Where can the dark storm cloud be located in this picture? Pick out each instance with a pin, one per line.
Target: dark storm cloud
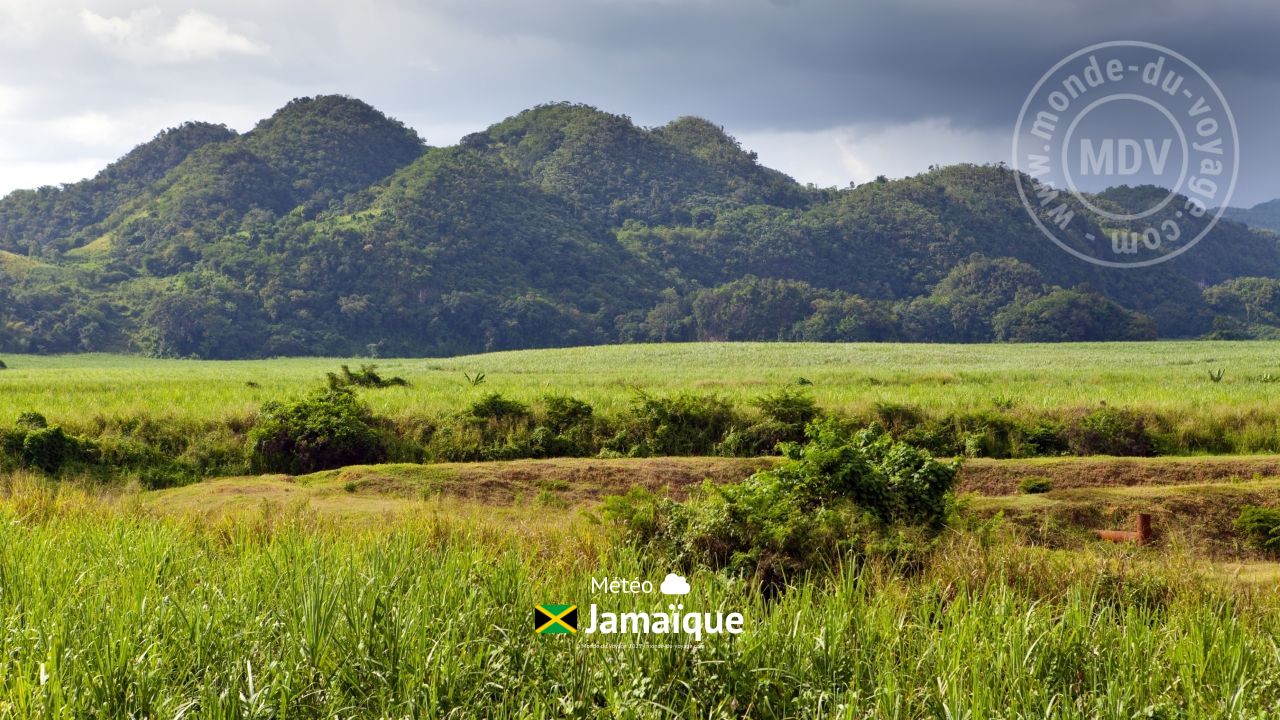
(84, 81)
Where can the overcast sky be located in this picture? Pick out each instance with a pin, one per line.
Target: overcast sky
(828, 91)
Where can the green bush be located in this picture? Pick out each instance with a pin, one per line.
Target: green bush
(785, 413)
(366, 377)
(1109, 431)
(328, 429)
(565, 413)
(789, 407)
(495, 407)
(50, 448)
(32, 420)
(1260, 527)
(898, 417)
(840, 492)
(684, 424)
(1035, 484)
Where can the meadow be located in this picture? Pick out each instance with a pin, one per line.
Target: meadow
(407, 590)
(1169, 377)
(168, 422)
(111, 608)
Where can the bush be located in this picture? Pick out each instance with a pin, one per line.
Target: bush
(366, 377)
(3, 366)
(495, 407)
(32, 421)
(840, 492)
(1260, 527)
(1035, 484)
(685, 424)
(898, 417)
(789, 407)
(565, 413)
(786, 413)
(328, 429)
(1109, 431)
(50, 448)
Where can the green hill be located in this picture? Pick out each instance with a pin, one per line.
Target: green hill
(1263, 215)
(330, 228)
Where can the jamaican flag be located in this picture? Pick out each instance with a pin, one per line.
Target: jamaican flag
(555, 619)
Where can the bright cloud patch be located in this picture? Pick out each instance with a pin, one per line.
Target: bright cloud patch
(858, 153)
(143, 36)
(199, 36)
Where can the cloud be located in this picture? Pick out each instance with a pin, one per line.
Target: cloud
(673, 584)
(859, 153)
(200, 36)
(112, 29)
(90, 128)
(141, 36)
(827, 91)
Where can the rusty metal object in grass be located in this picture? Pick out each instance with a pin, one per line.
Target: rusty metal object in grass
(1141, 535)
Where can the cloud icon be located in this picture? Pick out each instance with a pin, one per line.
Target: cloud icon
(673, 584)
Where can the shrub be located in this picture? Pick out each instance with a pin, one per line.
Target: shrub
(3, 366)
(50, 448)
(1109, 431)
(1260, 527)
(760, 438)
(495, 407)
(788, 406)
(840, 492)
(328, 429)
(786, 413)
(898, 417)
(684, 424)
(32, 420)
(565, 413)
(367, 377)
(1035, 484)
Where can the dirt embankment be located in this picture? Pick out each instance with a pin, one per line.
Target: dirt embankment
(1001, 477)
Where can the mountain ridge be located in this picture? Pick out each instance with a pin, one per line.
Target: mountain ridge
(330, 228)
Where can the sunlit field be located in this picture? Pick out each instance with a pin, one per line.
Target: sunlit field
(109, 609)
(1165, 376)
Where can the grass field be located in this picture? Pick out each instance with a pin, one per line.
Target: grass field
(407, 590)
(136, 605)
(1171, 377)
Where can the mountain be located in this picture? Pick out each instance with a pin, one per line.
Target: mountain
(330, 228)
(31, 220)
(1263, 215)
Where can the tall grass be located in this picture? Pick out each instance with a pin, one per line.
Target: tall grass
(106, 611)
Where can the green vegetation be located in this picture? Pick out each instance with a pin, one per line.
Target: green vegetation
(330, 229)
(1261, 527)
(837, 496)
(165, 421)
(366, 377)
(116, 611)
(1264, 215)
(1035, 484)
(325, 430)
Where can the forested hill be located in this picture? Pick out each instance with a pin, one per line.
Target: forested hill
(1263, 215)
(331, 229)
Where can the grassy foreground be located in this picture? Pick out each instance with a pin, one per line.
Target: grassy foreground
(110, 610)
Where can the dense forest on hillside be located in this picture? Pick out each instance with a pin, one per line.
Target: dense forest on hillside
(332, 229)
